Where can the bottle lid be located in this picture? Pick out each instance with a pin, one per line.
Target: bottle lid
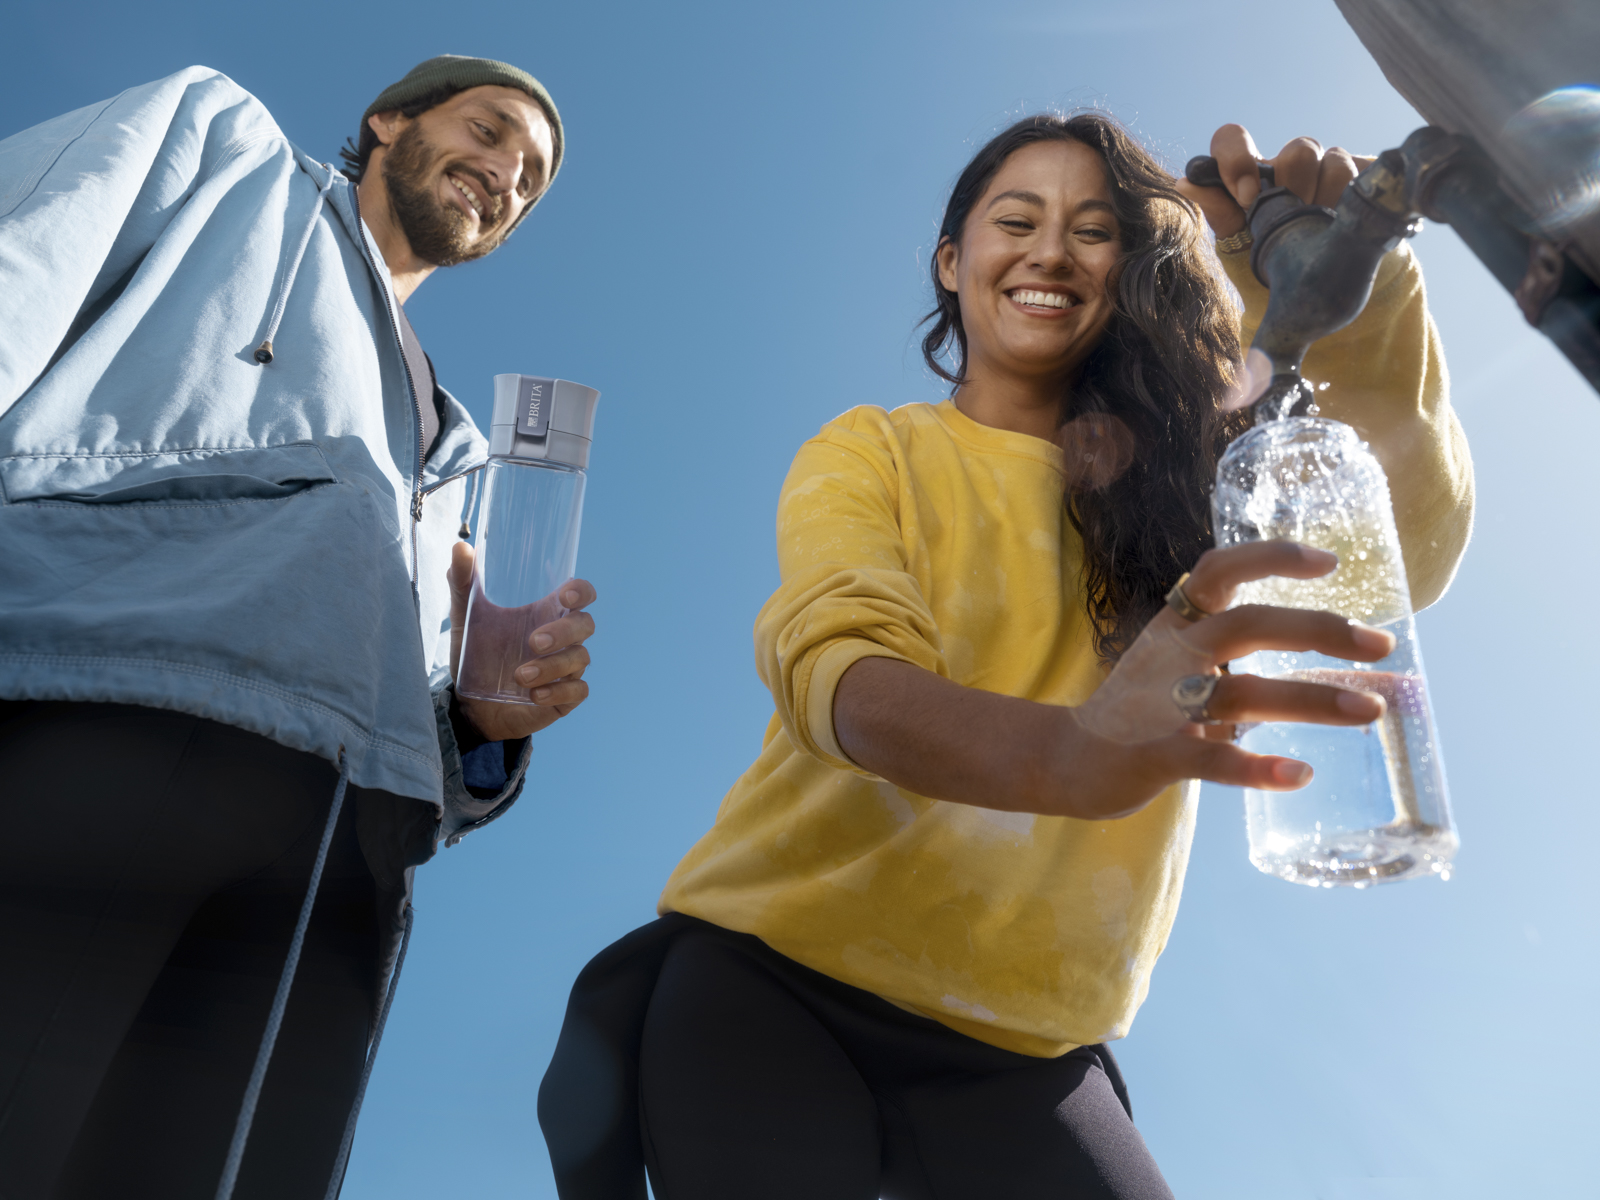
(542, 420)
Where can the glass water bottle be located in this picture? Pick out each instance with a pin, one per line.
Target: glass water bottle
(1376, 808)
(528, 525)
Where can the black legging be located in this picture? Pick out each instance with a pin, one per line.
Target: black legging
(759, 1077)
(151, 873)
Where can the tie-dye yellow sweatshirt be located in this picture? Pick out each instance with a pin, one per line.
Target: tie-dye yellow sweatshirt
(922, 535)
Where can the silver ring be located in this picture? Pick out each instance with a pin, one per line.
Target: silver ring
(1192, 693)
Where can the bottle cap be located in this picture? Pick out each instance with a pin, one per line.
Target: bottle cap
(542, 420)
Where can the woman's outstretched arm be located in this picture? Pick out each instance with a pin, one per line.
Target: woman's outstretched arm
(1111, 756)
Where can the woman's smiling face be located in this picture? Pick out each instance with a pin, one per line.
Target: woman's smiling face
(1033, 264)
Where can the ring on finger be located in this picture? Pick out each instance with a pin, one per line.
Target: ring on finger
(1178, 600)
(1192, 694)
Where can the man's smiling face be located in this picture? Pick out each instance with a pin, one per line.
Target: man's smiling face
(460, 174)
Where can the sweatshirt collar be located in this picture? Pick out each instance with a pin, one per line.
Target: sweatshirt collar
(989, 440)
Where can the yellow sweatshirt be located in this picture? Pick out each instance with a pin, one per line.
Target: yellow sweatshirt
(922, 535)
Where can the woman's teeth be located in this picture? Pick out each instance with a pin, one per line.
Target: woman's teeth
(1042, 299)
(472, 199)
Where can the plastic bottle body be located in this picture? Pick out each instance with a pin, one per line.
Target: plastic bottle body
(527, 549)
(1377, 807)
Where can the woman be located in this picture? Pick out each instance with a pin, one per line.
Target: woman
(891, 967)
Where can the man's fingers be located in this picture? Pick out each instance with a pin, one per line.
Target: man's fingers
(1218, 573)
(1249, 698)
(1237, 156)
(1251, 627)
(567, 694)
(577, 593)
(1337, 170)
(1297, 166)
(571, 630)
(570, 663)
(461, 557)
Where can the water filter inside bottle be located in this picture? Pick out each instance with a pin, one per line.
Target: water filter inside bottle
(528, 525)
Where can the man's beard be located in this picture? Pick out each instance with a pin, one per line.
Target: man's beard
(439, 233)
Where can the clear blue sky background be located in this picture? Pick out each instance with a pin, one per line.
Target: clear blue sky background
(735, 252)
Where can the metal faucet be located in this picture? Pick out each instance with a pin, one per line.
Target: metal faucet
(1319, 263)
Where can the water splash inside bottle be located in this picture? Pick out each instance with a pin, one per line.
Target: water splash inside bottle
(1377, 808)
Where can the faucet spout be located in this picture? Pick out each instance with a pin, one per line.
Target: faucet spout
(1319, 265)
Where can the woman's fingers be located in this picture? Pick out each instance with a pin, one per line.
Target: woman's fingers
(1184, 757)
(1337, 170)
(1297, 166)
(1143, 770)
(1221, 211)
(1238, 699)
(1219, 573)
(1317, 177)
(1237, 159)
(1251, 627)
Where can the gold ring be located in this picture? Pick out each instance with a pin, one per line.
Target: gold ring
(1178, 600)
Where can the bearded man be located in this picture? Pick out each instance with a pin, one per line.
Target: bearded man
(231, 497)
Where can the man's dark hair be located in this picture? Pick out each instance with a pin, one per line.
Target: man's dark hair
(356, 152)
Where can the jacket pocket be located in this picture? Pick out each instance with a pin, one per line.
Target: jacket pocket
(198, 476)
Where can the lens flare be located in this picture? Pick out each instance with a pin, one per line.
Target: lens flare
(1098, 448)
(1558, 136)
(1250, 379)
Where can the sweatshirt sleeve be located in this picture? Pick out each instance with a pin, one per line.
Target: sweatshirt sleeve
(85, 196)
(1384, 374)
(846, 592)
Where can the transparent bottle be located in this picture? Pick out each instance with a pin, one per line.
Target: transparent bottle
(1377, 808)
(528, 525)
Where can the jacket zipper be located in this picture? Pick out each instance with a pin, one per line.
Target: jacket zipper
(416, 413)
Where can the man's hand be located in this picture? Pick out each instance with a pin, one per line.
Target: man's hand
(553, 672)
(1316, 175)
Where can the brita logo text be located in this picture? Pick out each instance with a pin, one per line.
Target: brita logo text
(535, 396)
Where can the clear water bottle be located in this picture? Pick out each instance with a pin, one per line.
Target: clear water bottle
(527, 547)
(1377, 808)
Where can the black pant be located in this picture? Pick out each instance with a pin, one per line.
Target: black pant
(151, 872)
(759, 1077)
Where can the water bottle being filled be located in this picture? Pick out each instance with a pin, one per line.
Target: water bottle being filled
(528, 526)
(1376, 808)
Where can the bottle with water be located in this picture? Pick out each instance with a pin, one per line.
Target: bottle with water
(528, 527)
(1376, 808)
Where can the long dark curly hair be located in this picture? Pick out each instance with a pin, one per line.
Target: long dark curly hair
(1145, 414)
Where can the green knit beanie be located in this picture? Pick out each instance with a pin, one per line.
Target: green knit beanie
(457, 70)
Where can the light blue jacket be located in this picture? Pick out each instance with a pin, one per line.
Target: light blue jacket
(182, 526)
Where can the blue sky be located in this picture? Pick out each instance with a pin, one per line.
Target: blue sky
(734, 253)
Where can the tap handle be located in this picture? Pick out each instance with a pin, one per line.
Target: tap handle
(1202, 172)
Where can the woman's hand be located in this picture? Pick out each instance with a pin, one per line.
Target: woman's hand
(553, 673)
(1316, 175)
(1117, 752)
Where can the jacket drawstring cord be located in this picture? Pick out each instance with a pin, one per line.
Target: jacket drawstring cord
(263, 354)
(269, 1037)
(465, 532)
(336, 1181)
